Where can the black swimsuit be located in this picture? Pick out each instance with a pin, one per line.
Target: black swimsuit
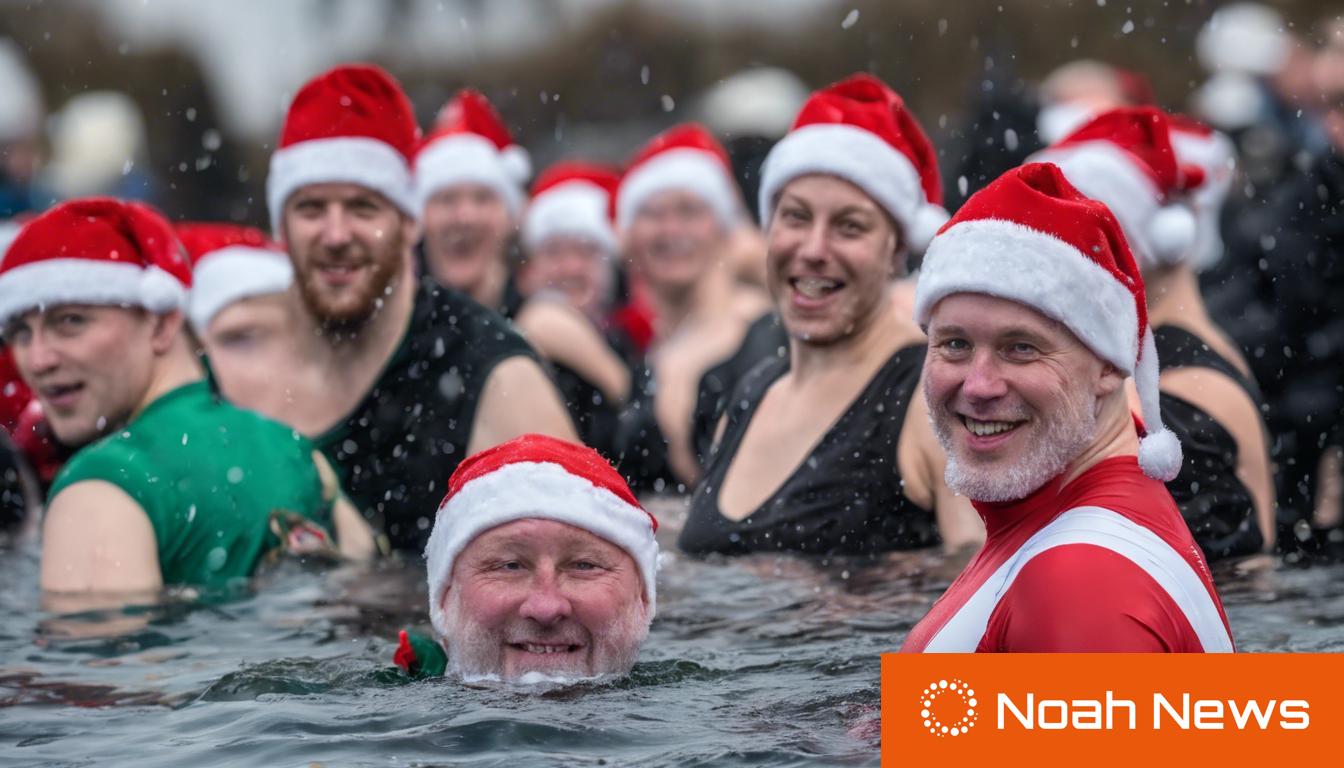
(845, 498)
(398, 447)
(1214, 502)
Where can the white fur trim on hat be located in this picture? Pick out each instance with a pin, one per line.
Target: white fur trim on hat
(1015, 262)
(465, 158)
(690, 170)
(1157, 235)
(231, 274)
(574, 209)
(861, 158)
(86, 281)
(1159, 449)
(542, 490)
(352, 160)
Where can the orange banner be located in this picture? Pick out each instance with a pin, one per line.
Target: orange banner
(1136, 710)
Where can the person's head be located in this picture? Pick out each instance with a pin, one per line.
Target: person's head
(92, 294)
(1074, 93)
(340, 195)
(675, 207)
(851, 189)
(1036, 314)
(1124, 159)
(569, 238)
(469, 177)
(21, 116)
(1213, 152)
(541, 565)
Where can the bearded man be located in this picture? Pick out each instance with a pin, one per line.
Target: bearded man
(541, 568)
(1036, 315)
(396, 379)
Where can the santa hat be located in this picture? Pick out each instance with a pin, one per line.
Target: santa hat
(535, 476)
(860, 130)
(1124, 158)
(687, 158)
(95, 251)
(1031, 237)
(471, 144)
(351, 124)
(576, 200)
(1215, 155)
(230, 263)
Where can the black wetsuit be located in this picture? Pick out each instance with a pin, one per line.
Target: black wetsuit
(398, 447)
(1216, 505)
(845, 498)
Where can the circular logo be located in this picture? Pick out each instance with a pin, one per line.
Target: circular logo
(948, 708)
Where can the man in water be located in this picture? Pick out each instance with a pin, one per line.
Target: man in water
(541, 568)
(1035, 312)
(172, 486)
(394, 378)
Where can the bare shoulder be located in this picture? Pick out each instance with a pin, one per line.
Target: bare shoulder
(1217, 395)
(95, 537)
(749, 302)
(518, 398)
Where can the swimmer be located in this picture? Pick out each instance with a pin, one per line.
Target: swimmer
(566, 282)
(469, 177)
(1127, 159)
(829, 450)
(170, 485)
(1035, 314)
(541, 568)
(240, 307)
(396, 379)
(677, 207)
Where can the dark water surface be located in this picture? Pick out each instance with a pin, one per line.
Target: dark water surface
(761, 661)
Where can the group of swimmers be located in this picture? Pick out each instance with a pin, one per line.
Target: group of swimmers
(391, 375)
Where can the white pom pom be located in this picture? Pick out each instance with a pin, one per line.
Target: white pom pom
(1171, 233)
(160, 291)
(517, 163)
(1160, 455)
(926, 223)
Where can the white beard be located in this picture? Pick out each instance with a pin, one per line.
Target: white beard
(1057, 442)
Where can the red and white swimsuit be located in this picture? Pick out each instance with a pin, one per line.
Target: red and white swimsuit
(1105, 563)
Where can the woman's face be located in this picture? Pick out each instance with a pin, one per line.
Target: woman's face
(831, 252)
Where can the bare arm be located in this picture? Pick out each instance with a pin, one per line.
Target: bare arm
(354, 537)
(96, 538)
(1229, 405)
(560, 334)
(518, 398)
(922, 464)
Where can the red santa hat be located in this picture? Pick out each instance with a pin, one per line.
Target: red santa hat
(687, 158)
(860, 130)
(1031, 237)
(471, 144)
(1124, 158)
(1214, 154)
(535, 476)
(95, 251)
(351, 124)
(573, 199)
(230, 263)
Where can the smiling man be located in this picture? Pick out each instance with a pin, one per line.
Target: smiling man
(1035, 312)
(541, 568)
(396, 379)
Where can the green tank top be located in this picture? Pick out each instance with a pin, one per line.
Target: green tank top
(220, 485)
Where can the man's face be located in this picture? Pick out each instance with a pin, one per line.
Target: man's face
(539, 596)
(574, 267)
(349, 246)
(674, 239)
(89, 366)
(831, 252)
(467, 227)
(1013, 395)
(244, 334)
